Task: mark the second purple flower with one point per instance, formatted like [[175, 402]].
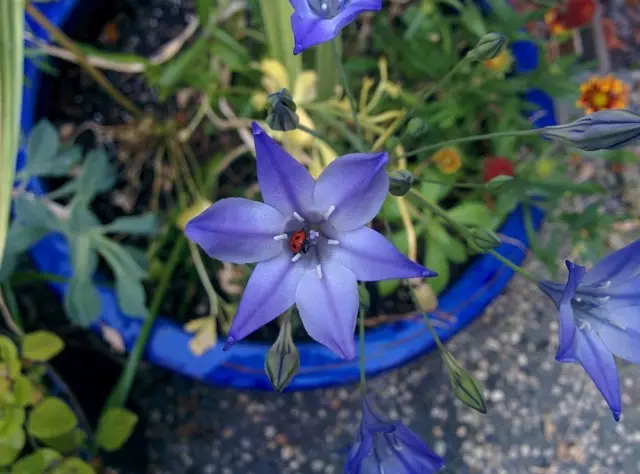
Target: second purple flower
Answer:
[[310, 241]]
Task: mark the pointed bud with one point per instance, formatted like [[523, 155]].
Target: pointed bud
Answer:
[[482, 240], [489, 46], [282, 111], [603, 130], [423, 295], [464, 386], [416, 127], [283, 360], [499, 183], [400, 182]]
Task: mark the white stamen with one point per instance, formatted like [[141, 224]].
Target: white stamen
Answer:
[[333, 242], [313, 234], [319, 271], [296, 257], [298, 216], [578, 299], [280, 237], [329, 212]]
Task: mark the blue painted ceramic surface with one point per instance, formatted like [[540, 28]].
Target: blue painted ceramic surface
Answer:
[[387, 346]]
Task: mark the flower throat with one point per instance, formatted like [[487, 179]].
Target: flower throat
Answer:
[[326, 8]]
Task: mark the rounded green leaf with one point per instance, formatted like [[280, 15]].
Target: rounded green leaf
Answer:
[[51, 418], [23, 391], [68, 442], [73, 466], [36, 463], [12, 416], [115, 427], [11, 447], [40, 346], [9, 357]]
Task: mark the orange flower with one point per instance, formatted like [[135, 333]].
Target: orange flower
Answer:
[[554, 23], [501, 63], [600, 93], [447, 160], [570, 14]]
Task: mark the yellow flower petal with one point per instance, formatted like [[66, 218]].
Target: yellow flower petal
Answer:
[[205, 335], [275, 76], [259, 101]]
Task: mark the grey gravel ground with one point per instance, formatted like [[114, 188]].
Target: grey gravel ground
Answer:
[[544, 417]]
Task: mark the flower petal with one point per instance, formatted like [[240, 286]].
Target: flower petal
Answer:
[[356, 185], [567, 321], [620, 331], [371, 257], [309, 29], [415, 455], [599, 363], [285, 184], [270, 291], [328, 307], [617, 267], [238, 230]]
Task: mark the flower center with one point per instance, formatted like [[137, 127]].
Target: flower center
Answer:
[[310, 240], [326, 8], [600, 99]]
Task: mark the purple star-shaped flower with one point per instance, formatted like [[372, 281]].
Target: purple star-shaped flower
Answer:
[[320, 272], [599, 317], [386, 446], [318, 21]]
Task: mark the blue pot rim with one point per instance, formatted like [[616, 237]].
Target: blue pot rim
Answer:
[[388, 346]]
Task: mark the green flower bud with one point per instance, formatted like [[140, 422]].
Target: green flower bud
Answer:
[[464, 386], [499, 183], [282, 111], [603, 130], [283, 360], [482, 240], [489, 46], [400, 182], [416, 126]]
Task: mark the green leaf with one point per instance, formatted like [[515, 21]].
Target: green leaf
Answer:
[[67, 443], [436, 260], [145, 224], [42, 146], [23, 391], [59, 164], [82, 300], [11, 447], [471, 18], [20, 238], [9, 356], [465, 387], [97, 176], [387, 287], [33, 212], [233, 53], [435, 191], [41, 346], [82, 220], [36, 463], [115, 428], [471, 213], [128, 275], [12, 415], [205, 9], [73, 466], [51, 418]]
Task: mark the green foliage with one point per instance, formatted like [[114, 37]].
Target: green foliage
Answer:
[[51, 418], [115, 427], [40, 346]]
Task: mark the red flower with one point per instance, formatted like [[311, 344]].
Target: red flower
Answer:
[[573, 13], [496, 166]]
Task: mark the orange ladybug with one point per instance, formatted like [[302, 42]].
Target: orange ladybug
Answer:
[[299, 241]]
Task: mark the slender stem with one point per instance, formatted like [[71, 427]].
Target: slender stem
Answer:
[[98, 76], [363, 372], [120, 393], [204, 279], [455, 185], [513, 266], [347, 89], [473, 138], [313, 133], [8, 320]]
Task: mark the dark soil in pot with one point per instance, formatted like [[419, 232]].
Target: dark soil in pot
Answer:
[[72, 101]]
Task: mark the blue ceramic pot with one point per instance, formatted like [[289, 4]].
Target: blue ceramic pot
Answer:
[[388, 346]]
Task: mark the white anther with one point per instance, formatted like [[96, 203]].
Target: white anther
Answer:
[[333, 242], [319, 271], [329, 212], [578, 299], [296, 257], [298, 216], [280, 237], [324, 6], [313, 234]]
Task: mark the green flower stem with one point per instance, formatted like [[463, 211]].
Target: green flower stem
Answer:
[[455, 185], [313, 133], [474, 138], [464, 232], [204, 279], [363, 372], [120, 393], [98, 76], [513, 266], [347, 89]]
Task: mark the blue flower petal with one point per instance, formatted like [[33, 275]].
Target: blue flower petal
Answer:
[[600, 364], [567, 323], [619, 329], [616, 268]]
